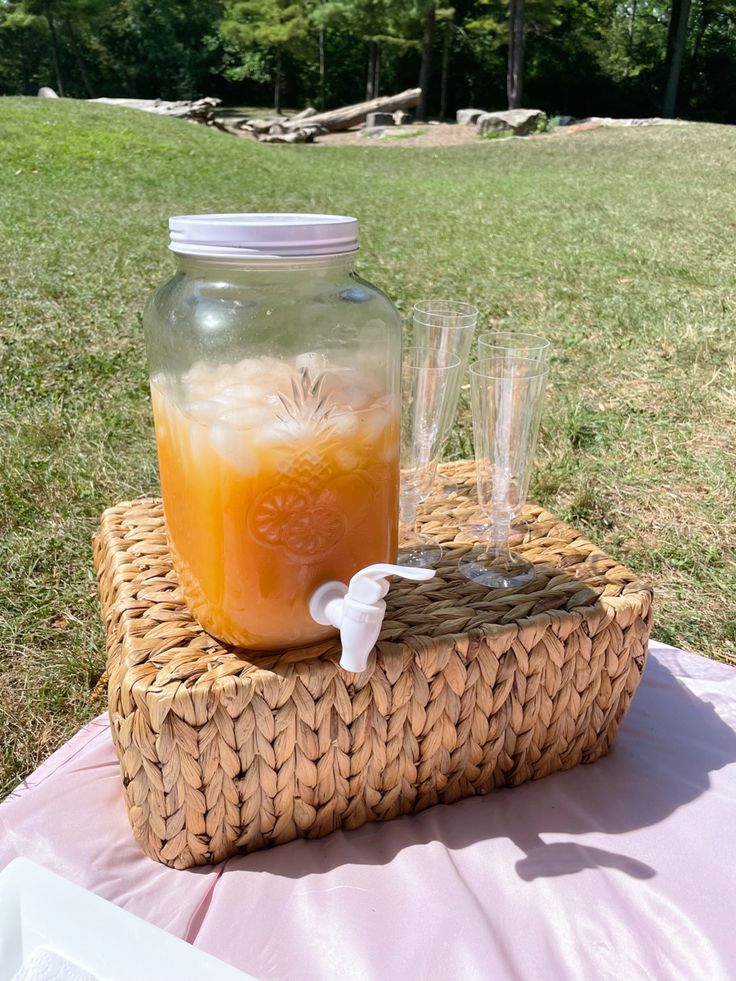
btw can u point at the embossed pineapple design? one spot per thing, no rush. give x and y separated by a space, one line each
307 468
303 515
307 407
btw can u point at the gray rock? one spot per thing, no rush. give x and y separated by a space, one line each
566 120
374 119
516 121
468 117
46 92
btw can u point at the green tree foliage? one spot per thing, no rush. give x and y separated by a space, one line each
578 57
162 49
276 25
143 48
24 51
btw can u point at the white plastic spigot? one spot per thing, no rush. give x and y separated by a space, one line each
358 609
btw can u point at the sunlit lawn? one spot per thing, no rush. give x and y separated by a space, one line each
618 244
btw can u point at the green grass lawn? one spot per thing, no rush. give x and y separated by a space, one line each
618 244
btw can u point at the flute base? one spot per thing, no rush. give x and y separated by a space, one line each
420 553
503 572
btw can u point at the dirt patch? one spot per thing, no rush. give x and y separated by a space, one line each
434 135
418 134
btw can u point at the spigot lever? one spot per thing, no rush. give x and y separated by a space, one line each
358 609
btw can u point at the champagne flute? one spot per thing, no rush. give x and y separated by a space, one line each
447 325
507 396
428 379
513 344
506 344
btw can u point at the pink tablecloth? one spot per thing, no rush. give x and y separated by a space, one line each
621 870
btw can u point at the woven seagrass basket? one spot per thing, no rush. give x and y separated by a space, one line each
468 689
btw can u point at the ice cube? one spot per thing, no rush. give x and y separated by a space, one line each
248 367
373 423
199 391
204 409
358 397
265 373
344 424
336 380
248 417
346 458
310 360
244 393
200 371
234 447
285 431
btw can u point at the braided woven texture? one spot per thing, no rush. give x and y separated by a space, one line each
468 689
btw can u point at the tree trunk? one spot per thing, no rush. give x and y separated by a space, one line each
78 58
339 119
706 18
515 73
630 41
322 69
371 79
426 65
446 45
277 83
55 52
377 72
676 42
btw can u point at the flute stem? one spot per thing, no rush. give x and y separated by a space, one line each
408 520
498 536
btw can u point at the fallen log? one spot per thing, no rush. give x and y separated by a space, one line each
304 114
258 125
349 116
200 111
295 136
227 127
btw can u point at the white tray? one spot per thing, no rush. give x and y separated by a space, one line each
39 909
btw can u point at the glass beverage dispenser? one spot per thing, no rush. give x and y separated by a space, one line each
274 383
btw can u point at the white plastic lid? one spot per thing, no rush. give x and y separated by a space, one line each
263 234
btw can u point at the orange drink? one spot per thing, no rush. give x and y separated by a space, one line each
276 477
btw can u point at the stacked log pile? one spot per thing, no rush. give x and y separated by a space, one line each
300 128
304 126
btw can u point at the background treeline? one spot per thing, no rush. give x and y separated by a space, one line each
574 57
